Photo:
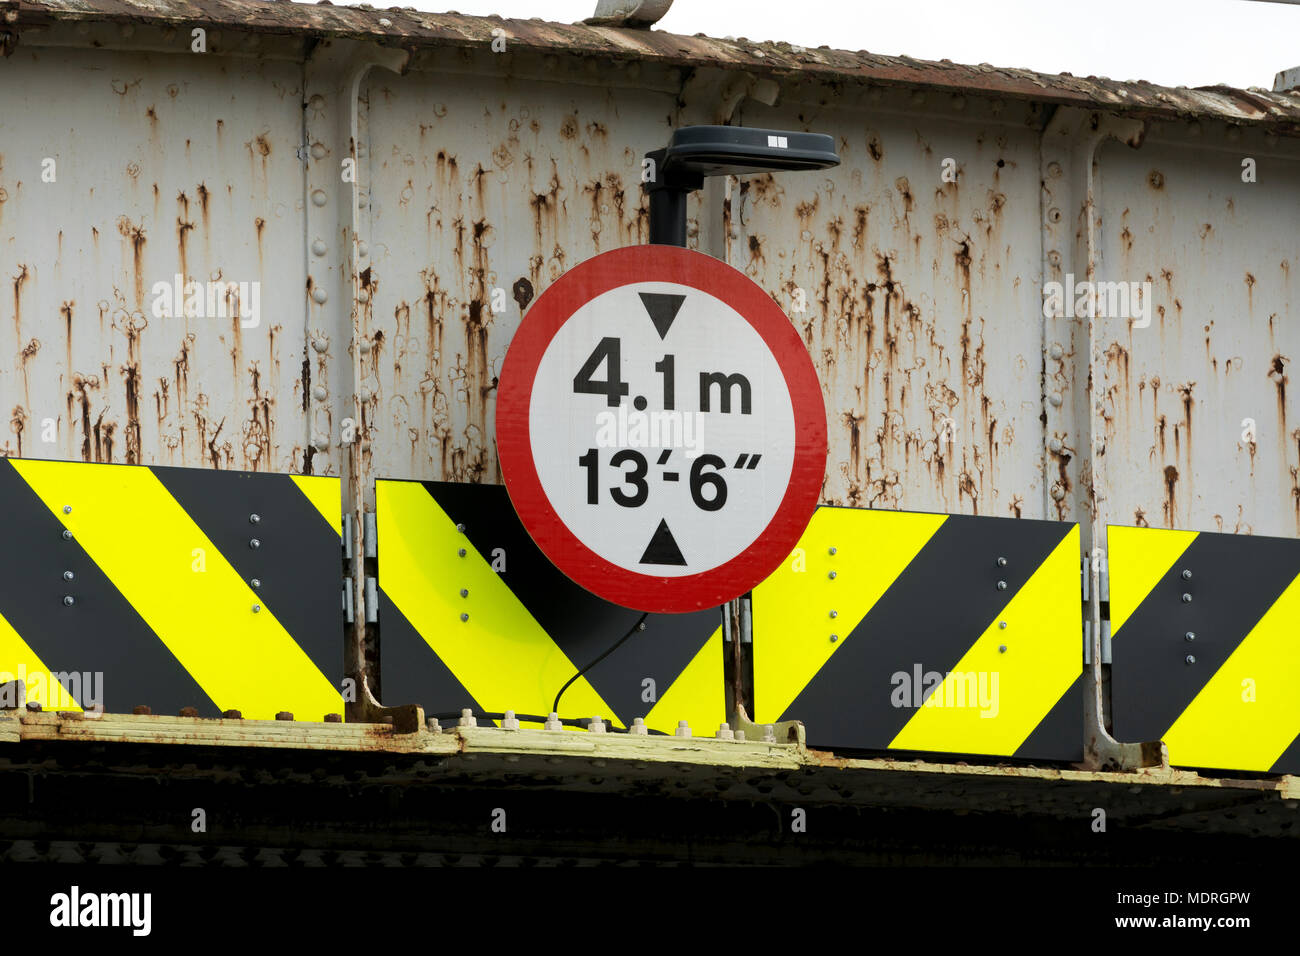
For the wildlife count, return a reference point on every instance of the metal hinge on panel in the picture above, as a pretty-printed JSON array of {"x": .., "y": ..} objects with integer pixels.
[
  {"x": 1105, "y": 641},
  {"x": 347, "y": 601},
  {"x": 372, "y": 601},
  {"x": 371, "y": 535},
  {"x": 347, "y": 537}
]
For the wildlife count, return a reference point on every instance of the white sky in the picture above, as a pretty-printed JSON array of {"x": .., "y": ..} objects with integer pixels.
[{"x": 1172, "y": 42}]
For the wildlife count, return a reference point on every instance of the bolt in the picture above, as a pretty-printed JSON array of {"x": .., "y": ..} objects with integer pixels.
[
  {"x": 1191, "y": 635},
  {"x": 1190, "y": 659},
  {"x": 254, "y": 518},
  {"x": 553, "y": 721},
  {"x": 1002, "y": 625},
  {"x": 638, "y": 727},
  {"x": 509, "y": 721},
  {"x": 835, "y": 613},
  {"x": 189, "y": 712},
  {"x": 1002, "y": 562},
  {"x": 464, "y": 592},
  {"x": 257, "y": 608},
  {"x": 725, "y": 733},
  {"x": 284, "y": 715},
  {"x": 831, "y": 575},
  {"x": 68, "y": 575},
  {"x": 640, "y": 625},
  {"x": 68, "y": 601},
  {"x": 1187, "y": 575},
  {"x": 833, "y": 550},
  {"x": 1002, "y": 648},
  {"x": 254, "y": 543},
  {"x": 596, "y": 725},
  {"x": 34, "y": 707},
  {"x": 141, "y": 710},
  {"x": 769, "y": 734},
  {"x": 232, "y": 715},
  {"x": 460, "y": 528},
  {"x": 464, "y": 617},
  {"x": 256, "y": 582},
  {"x": 67, "y": 535},
  {"x": 461, "y": 552},
  {"x": 683, "y": 729},
  {"x": 1187, "y": 599},
  {"x": 336, "y": 718},
  {"x": 1002, "y": 585},
  {"x": 834, "y": 638},
  {"x": 67, "y": 509}
]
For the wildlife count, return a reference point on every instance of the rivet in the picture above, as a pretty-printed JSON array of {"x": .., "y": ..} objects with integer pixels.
[
  {"x": 1190, "y": 659},
  {"x": 319, "y": 295},
  {"x": 256, "y": 582},
  {"x": 1187, "y": 599},
  {"x": 1002, "y": 625},
  {"x": 318, "y": 197},
  {"x": 1191, "y": 635},
  {"x": 363, "y": 250},
  {"x": 464, "y": 592},
  {"x": 833, "y": 550},
  {"x": 254, "y": 519},
  {"x": 284, "y": 715},
  {"x": 1187, "y": 575},
  {"x": 1055, "y": 399},
  {"x": 319, "y": 392},
  {"x": 68, "y": 601},
  {"x": 67, "y": 509},
  {"x": 1002, "y": 585},
  {"x": 461, "y": 552},
  {"x": 1002, "y": 648},
  {"x": 318, "y": 151},
  {"x": 831, "y": 575},
  {"x": 640, "y": 625},
  {"x": 319, "y": 248},
  {"x": 317, "y": 102},
  {"x": 67, "y": 535},
  {"x": 834, "y": 638},
  {"x": 254, "y": 543},
  {"x": 835, "y": 613},
  {"x": 257, "y": 608},
  {"x": 464, "y": 617},
  {"x": 1002, "y": 562},
  {"x": 68, "y": 575},
  {"x": 460, "y": 528}
]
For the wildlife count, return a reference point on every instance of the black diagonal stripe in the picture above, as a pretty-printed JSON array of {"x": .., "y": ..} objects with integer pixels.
[
  {"x": 413, "y": 674},
  {"x": 931, "y": 615},
  {"x": 583, "y": 625},
  {"x": 1235, "y": 580},
  {"x": 297, "y": 563},
  {"x": 1289, "y": 762},
  {"x": 101, "y": 633},
  {"x": 1059, "y": 735}
]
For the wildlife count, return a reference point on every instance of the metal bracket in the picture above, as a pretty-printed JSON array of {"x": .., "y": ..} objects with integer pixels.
[
  {"x": 371, "y": 535},
  {"x": 372, "y": 601},
  {"x": 347, "y": 601},
  {"x": 347, "y": 536}
]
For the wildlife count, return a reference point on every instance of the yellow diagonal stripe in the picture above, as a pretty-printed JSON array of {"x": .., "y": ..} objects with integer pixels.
[
  {"x": 501, "y": 655},
  {"x": 323, "y": 493},
  {"x": 144, "y": 542},
  {"x": 19, "y": 662},
  {"x": 791, "y": 624},
  {"x": 696, "y": 696},
  {"x": 1221, "y": 727},
  {"x": 1138, "y": 558},
  {"x": 992, "y": 699}
]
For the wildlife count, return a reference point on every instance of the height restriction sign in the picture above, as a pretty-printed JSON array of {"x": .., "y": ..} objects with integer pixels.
[{"x": 661, "y": 429}]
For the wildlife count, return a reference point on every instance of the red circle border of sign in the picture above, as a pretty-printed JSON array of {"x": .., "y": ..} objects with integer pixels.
[{"x": 581, "y": 284}]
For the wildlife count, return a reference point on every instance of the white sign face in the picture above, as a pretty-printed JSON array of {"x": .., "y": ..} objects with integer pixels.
[{"x": 662, "y": 429}]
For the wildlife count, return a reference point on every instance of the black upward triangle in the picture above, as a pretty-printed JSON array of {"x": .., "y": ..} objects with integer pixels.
[
  {"x": 662, "y": 548},
  {"x": 663, "y": 308}
]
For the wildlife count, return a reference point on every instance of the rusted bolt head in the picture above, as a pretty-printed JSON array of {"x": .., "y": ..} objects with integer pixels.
[
  {"x": 141, "y": 710},
  {"x": 189, "y": 711},
  {"x": 333, "y": 718},
  {"x": 284, "y": 715},
  {"x": 232, "y": 715},
  {"x": 34, "y": 707}
]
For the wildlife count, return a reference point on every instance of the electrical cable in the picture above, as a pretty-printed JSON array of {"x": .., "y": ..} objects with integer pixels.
[{"x": 638, "y": 626}]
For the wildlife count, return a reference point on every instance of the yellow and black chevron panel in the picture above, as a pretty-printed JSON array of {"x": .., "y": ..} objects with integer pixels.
[
  {"x": 1205, "y": 646},
  {"x": 123, "y": 585},
  {"x": 479, "y": 618},
  {"x": 890, "y": 630}
]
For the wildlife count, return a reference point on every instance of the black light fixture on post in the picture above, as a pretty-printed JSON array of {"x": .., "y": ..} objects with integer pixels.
[{"x": 694, "y": 152}]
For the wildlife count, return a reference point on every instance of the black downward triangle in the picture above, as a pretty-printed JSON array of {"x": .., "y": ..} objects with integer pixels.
[
  {"x": 662, "y": 548},
  {"x": 663, "y": 308}
]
